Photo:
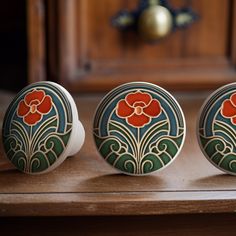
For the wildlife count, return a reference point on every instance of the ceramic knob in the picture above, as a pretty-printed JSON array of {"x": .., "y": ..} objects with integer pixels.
[
  {"x": 139, "y": 128},
  {"x": 41, "y": 128},
  {"x": 216, "y": 129}
]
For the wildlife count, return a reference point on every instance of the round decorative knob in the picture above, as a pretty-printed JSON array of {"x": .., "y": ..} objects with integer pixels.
[
  {"x": 155, "y": 22},
  {"x": 41, "y": 128},
  {"x": 154, "y": 19},
  {"x": 139, "y": 128},
  {"x": 217, "y": 128}
]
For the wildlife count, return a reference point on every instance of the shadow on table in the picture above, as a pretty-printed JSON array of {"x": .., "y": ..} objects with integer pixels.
[
  {"x": 122, "y": 182},
  {"x": 219, "y": 181}
]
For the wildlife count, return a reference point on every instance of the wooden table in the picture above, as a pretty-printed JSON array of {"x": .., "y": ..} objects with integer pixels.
[{"x": 86, "y": 195}]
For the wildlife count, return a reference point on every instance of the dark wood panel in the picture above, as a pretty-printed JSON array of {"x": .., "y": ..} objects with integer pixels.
[
  {"x": 208, "y": 37},
  {"x": 232, "y": 47},
  {"x": 13, "y": 45},
  {"x": 36, "y": 40},
  {"x": 178, "y": 76},
  {"x": 178, "y": 225},
  {"x": 91, "y": 55}
]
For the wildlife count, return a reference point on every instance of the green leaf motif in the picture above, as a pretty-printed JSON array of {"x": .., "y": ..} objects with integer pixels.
[
  {"x": 226, "y": 131},
  {"x": 19, "y": 159},
  {"x": 161, "y": 127},
  {"x": 162, "y": 152},
  {"x": 43, "y": 149},
  {"x": 116, "y": 153},
  {"x": 116, "y": 128},
  {"x": 220, "y": 152},
  {"x": 111, "y": 148},
  {"x": 48, "y": 153}
]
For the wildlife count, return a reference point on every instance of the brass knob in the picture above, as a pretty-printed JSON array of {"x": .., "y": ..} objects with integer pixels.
[
  {"x": 155, "y": 22},
  {"x": 154, "y": 19}
]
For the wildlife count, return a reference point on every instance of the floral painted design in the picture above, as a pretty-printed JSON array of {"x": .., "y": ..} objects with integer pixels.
[
  {"x": 228, "y": 109},
  {"x": 37, "y": 128},
  {"x": 34, "y": 105},
  {"x": 217, "y": 128},
  {"x": 138, "y": 109},
  {"x": 139, "y": 128}
]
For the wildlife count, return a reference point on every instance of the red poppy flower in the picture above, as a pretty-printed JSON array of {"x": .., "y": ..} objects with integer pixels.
[
  {"x": 138, "y": 108},
  {"x": 228, "y": 109},
  {"x": 34, "y": 105}
]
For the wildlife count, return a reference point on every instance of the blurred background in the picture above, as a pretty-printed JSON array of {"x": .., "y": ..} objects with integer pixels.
[{"x": 74, "y": 43}]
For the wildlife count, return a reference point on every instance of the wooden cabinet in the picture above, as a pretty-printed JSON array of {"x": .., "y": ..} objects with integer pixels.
[{"x": 84, "y": 52}]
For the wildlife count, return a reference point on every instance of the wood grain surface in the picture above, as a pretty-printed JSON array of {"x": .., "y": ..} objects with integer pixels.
[
  {"x": 36, "y": 40},
  {"x": 86, "y": 185}
]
